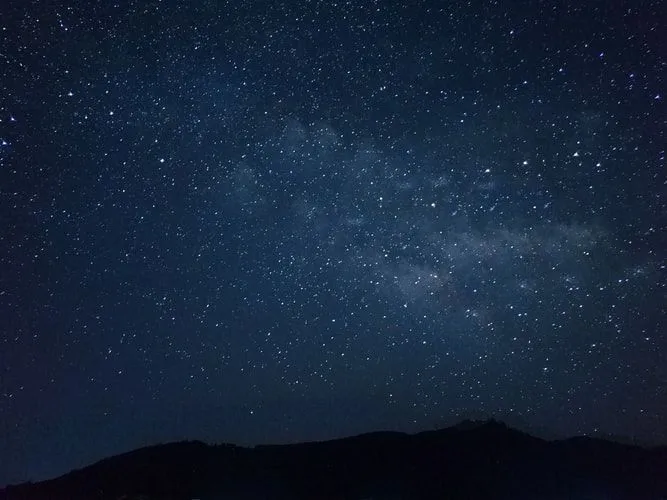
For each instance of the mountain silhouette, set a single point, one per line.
(470, 460)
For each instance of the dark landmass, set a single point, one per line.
(470, 460)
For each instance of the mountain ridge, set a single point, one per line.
(473, 459)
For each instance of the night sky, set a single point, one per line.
(265, 222)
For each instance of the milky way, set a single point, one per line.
(261, 222)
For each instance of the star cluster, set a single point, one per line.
(278, 221)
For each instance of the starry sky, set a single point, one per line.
(265, 222)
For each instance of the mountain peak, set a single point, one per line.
(473, 459)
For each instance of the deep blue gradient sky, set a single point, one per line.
(276, 221)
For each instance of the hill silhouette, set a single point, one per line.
(469, 460)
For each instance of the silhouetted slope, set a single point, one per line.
(470, 460)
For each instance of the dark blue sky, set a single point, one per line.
(275, 221)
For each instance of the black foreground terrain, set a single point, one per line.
(471, 460)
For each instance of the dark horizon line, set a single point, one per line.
(463, 424)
